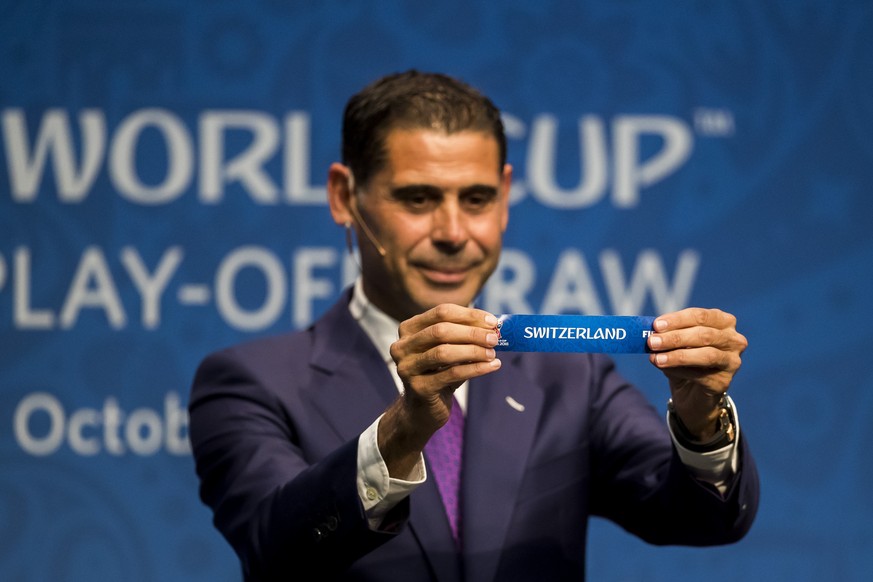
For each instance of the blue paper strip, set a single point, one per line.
(608, 334)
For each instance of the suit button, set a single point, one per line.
(317, 534)
(372, 494)
(330, 523)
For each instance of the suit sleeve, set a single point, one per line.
(281, 512)
(641, 483)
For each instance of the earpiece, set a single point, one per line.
(353, 208)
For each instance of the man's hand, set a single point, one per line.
(437, 351)
(699, 352)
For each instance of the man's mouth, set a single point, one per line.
(444, 275)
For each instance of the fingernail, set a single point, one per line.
(660, 324)
(490, 319)
(655, 342)
(495, 363)
(661, 359)
(491, 339)
(489, 353)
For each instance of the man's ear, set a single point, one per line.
(339, 194)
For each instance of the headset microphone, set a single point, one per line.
(353, 208)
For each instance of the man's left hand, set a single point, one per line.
(699, 352)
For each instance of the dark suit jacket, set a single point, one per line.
(275, 424)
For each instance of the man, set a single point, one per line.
(310, 446)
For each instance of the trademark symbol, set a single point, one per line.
(713, 122)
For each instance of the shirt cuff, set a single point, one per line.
(717, 467)
(378, 491)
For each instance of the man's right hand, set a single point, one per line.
(437, 351)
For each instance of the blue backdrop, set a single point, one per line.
(161, 195)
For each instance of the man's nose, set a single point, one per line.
(448, 229)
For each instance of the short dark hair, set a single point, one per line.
(412, 100)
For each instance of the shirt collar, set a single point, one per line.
(380, 327)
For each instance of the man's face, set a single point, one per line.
(439, 208)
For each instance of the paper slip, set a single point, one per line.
(608, 334)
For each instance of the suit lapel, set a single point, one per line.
(503, 412)
(357, 388)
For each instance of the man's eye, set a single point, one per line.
(477, 201)
(418, 202)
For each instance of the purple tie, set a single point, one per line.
(444, 450)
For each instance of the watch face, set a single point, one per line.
(726, 423)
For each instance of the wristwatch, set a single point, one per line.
(724, 435)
